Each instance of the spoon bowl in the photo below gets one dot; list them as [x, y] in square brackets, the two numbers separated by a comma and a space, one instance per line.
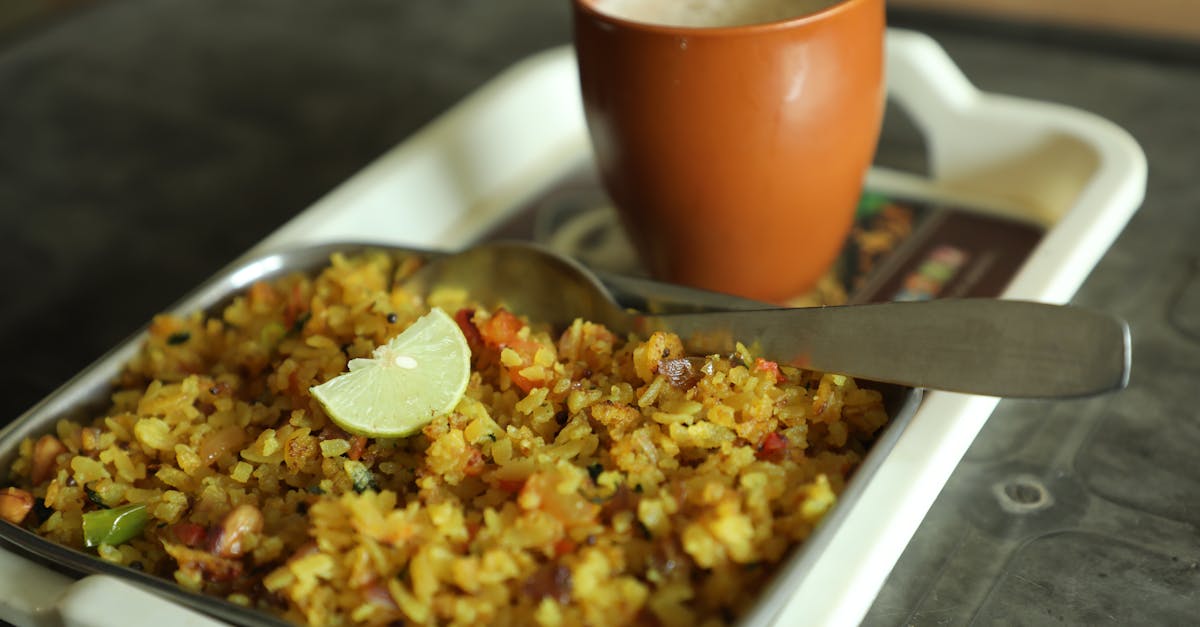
[989, 347]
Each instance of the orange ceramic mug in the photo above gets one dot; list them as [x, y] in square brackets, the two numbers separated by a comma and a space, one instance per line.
[735, 152]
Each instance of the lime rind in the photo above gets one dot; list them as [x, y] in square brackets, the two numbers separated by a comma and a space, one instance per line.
[406, 383]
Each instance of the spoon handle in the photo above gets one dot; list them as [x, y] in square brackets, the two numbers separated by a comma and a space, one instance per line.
[1014, 349]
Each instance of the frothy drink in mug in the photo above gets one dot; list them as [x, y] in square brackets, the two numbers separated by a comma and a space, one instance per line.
[708, 13]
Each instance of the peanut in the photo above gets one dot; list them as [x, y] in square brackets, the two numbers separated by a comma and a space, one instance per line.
[15, 505]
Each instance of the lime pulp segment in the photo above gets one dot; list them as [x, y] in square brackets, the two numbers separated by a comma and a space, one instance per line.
[417, 375]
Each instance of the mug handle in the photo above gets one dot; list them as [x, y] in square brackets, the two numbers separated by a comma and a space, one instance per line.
[1064, 167]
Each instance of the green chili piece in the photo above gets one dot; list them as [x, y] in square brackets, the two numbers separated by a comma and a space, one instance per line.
[361, 476]
[114, 526]
[302, 319]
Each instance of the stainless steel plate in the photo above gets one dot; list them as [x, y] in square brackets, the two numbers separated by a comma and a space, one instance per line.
[88, 394]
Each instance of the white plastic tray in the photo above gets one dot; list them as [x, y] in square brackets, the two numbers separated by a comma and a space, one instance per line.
[1076, 174]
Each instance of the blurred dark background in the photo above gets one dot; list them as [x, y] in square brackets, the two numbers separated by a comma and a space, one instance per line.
[145, 144]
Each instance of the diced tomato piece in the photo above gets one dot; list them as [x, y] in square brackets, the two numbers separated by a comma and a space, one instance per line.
[563, 547]
[773, 447]
[190, 534]
[501, 329]
[464, 319]
[521, 382]
[295, 306]
[763, 365]
[358, 444]
[511, 485]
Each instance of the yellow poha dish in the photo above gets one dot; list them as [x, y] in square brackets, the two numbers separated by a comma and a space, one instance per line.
[583, 479]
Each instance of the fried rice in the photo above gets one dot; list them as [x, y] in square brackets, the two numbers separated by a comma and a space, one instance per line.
[584, 478]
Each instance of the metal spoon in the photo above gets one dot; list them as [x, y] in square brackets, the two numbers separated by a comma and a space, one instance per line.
[978, 346]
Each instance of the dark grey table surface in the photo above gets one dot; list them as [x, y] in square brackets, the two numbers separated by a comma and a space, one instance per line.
[146, 143]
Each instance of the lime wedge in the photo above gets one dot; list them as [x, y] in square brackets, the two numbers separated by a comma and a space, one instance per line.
[415, 376]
